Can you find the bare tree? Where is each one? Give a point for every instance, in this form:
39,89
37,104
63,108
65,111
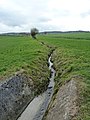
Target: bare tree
34,31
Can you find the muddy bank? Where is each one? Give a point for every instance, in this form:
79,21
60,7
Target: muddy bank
64,106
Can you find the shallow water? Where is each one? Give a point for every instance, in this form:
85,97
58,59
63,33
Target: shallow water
37,108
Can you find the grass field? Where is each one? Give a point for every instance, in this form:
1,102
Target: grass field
72,61
24,54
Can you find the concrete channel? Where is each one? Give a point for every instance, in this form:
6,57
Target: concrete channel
38,106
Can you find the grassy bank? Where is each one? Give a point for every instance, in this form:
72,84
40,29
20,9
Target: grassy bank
24,54
72,61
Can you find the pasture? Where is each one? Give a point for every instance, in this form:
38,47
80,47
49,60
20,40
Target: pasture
71,60
22,53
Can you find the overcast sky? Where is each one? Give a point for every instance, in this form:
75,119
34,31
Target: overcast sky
63,15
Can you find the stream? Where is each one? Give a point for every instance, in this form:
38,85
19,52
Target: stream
38,106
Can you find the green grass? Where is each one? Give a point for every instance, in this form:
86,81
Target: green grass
17,52
72,61
24,53
77,35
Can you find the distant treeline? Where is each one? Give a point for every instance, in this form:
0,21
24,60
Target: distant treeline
57,32
16,34
45,32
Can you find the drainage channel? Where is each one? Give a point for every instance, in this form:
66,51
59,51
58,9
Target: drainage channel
37,108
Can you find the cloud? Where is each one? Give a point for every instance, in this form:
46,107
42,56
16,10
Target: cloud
85,14
10,18
22,15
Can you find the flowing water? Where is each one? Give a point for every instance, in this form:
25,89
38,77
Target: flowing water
37,108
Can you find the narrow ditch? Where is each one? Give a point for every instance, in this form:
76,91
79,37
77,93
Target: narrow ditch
38,106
